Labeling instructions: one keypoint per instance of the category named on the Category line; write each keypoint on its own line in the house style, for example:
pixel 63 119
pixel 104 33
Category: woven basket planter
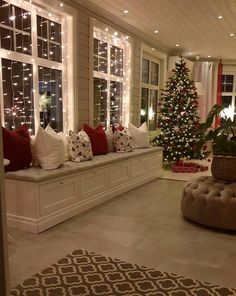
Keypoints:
pixel 223 168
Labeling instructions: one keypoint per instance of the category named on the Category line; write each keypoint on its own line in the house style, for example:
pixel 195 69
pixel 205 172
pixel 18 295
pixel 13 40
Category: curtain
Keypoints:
pixel 205 76
pixel 219 90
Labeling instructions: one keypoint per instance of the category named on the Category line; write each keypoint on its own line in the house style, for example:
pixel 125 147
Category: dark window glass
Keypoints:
pixel 100 56
pixel 95 64
pixel 54 52
pixel 42 27
pixel 7 39
pixel 100 101
pixel 6 14
pixel 42 49
pixel 49 39
pixel 226 101
pixel 23 43
pixel 116 61
pixel 145 71
pixel 227 83
pixel 54 31
pixel 116 95
pixel 50 98
pixel 22 19
pixel 152 112
pixel 18 94
pixel 144 105
pixel 154 73
pixel 19 22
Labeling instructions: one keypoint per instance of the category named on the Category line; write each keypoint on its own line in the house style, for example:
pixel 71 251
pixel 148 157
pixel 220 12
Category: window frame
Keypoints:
pixel 150 86
pixel 233 93
pixel 66 20
pixel 105 33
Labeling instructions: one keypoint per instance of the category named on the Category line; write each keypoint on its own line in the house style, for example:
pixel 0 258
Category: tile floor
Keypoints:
pixel 142 226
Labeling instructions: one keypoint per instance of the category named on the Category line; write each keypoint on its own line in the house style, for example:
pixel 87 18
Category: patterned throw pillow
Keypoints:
pixel 79 146
pixel 122 141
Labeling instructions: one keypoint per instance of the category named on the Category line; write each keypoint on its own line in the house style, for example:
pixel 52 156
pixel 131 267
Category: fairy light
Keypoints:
pixel 113 49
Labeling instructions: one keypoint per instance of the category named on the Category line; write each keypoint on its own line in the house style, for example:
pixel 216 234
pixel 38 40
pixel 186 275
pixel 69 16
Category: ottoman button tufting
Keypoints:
pixel 212 204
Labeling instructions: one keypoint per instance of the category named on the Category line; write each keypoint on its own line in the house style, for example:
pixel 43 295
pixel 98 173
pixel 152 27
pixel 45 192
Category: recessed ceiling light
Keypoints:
pixel 106 29
pixel 189 53
pixel 156 31
pixel 177 45
pixel 115 34
pixel 231 35
pixel 61 4
pixel 220 17
pixel 152 48
pixel 209 56
pixel 125 11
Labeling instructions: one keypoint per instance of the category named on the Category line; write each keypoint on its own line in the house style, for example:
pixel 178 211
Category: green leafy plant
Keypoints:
pixel 223 137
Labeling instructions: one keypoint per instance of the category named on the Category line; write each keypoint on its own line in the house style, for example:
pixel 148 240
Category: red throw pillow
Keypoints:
pixel 98 139
pixel 16 148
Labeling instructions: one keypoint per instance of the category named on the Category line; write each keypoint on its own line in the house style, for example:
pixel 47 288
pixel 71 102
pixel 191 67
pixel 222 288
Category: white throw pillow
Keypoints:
pixel 109 135
pixel 139 135
pixel 80 148
pixel 65 141
pixel 33 152
pixel 122 141
pixel 49 149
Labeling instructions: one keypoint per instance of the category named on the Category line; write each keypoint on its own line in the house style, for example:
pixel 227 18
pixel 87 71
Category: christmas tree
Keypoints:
pixel 179 119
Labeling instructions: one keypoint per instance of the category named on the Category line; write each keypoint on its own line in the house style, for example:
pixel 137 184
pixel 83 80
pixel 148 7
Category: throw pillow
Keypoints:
pixel 109 135
pixel 16 148
pixel 33 152
pixel 49 149
pixel 65 141
pixel 122 141
pixel 80 148
pixel 139 135
pixel 98 139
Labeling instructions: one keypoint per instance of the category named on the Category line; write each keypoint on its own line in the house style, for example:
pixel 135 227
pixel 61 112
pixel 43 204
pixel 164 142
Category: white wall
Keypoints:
pixel 82 63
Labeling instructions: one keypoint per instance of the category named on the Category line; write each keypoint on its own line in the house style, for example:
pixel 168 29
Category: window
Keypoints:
pixel 111 77
pixel 33 64
pixel 229 93
pixel 149 91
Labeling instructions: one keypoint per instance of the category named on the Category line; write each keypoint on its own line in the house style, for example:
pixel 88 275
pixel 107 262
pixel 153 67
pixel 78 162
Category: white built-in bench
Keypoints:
pixel 38 199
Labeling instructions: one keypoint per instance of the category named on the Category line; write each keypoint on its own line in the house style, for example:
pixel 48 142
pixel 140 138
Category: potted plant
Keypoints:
pixel 223 140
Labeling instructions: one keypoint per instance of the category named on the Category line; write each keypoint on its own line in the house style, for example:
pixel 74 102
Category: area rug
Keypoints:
pixel 88 274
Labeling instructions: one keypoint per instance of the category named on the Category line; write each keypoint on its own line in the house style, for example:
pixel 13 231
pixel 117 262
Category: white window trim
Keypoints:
pixel 104 32
pixel 150 86
pixel 67 19
pixel 152 53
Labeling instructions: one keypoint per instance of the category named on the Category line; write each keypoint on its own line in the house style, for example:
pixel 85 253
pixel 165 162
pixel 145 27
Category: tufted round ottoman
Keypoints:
pixel 210 203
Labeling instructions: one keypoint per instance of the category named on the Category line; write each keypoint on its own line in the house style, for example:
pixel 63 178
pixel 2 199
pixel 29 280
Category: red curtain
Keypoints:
pixel 219 90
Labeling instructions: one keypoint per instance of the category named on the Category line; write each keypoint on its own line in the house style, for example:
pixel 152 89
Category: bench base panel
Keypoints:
pixel 36 207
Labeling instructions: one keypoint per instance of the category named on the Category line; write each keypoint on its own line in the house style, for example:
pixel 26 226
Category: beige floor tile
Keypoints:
pixel 143 226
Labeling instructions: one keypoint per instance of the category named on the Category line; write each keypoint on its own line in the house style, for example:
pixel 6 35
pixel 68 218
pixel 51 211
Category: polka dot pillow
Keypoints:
pixel 80 148
pixel 122 141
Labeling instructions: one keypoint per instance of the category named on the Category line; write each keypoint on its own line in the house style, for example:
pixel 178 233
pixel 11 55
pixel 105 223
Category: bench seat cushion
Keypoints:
pixel 37 174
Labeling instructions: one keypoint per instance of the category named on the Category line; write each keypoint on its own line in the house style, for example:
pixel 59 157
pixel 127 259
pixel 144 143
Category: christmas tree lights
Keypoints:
pixel 179 119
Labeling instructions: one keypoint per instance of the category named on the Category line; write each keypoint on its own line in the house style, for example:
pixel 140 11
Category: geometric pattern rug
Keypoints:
pixel 84 273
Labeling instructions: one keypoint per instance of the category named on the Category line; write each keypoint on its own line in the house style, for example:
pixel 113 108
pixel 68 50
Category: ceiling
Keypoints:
pixel 193 24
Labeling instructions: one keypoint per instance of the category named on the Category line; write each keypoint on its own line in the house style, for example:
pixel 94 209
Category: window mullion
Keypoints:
pixel 35 69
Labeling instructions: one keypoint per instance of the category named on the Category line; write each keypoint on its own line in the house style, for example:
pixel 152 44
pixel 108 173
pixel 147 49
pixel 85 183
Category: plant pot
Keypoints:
pixel 223 168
